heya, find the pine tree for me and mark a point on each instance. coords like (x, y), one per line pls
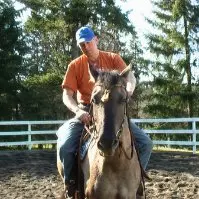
(173, 45)
(12, 48)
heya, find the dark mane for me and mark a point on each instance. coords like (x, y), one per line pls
(110, 78)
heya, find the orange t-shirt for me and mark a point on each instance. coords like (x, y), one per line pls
(79, 79)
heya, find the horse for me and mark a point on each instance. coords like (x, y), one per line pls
(111, 167)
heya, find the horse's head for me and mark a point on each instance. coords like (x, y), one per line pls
(109, 98)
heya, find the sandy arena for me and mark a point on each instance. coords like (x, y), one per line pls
(33, 175)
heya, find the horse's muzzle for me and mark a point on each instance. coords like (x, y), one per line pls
(107, 149)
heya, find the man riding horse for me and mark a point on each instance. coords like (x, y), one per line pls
(78, 79)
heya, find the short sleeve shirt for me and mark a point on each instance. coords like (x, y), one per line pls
(79, 79)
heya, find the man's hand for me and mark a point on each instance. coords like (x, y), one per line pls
(83, 116)
(68, 100)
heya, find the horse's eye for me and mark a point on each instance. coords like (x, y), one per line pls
(96, 95)
(121, 99)
(96, 99)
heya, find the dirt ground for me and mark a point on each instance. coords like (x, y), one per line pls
(33, 175)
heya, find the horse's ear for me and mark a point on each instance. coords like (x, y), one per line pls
(94, 72)
(125, 72)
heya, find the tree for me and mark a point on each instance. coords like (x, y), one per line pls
(50, 33)
(55, 23)
(41, 99)
(134, 55)
(173, 46)
(12, 49)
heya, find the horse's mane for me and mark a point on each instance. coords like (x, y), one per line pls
(110, 78)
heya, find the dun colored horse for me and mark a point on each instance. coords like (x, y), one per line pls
(111, 167)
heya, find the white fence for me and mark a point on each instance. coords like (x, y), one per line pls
(189, 123)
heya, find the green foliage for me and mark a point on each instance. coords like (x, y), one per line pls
(50, 35)
(173, 49)
(41, 98)
(12, 48)
(54, 23)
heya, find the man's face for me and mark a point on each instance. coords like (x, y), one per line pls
(89, 48)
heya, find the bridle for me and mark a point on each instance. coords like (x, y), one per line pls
(104, 99)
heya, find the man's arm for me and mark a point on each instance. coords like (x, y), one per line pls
(71, 104)
(69, 101)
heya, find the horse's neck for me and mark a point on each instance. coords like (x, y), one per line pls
(126, 138)
(123, 150)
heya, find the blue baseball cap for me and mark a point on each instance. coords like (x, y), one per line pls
(84, 34)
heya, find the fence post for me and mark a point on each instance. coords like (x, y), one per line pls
(168, 145)
(194, 136)
(29, 137)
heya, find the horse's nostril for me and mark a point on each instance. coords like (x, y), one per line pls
(99, 145)
(103, 145)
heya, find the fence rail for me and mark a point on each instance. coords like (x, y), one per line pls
(30, 132)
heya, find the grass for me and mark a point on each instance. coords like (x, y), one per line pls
(167, 149)
(53, 147)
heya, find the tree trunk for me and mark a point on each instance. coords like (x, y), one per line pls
(188, 70)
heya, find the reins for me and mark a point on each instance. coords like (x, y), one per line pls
(131, 136)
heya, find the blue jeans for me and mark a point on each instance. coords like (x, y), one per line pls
(68, 141)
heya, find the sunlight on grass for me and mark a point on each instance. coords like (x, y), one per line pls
(164, 148)
(156, 148)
